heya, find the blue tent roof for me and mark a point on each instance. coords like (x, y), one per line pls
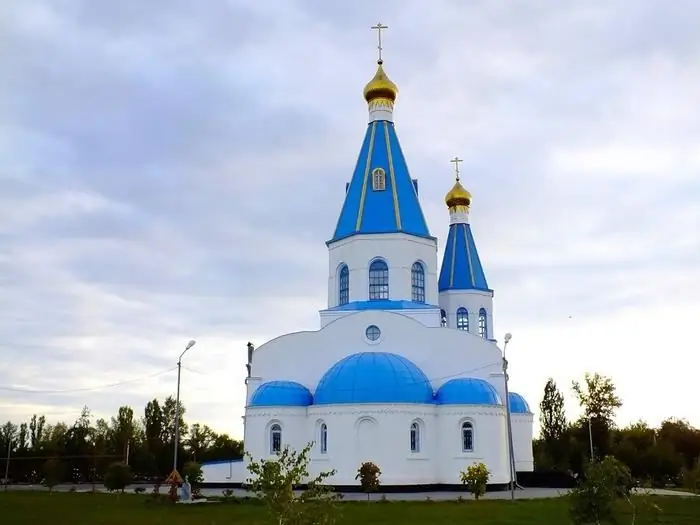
(461, 265)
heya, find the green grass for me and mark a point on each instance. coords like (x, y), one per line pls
(32, 508)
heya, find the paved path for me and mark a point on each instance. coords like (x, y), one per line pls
(528, 493)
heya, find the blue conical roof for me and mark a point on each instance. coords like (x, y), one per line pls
(393, 209)
(461, 266)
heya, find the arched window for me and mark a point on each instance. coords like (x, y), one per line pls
(415, 437)
(462, 319)
(378, 280)
(467, 437)
(443, 318)
(275, 439)
(417, 283)
(324, 438)
(483, 330)
(344, 285)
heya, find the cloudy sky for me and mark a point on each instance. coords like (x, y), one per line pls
(171, 169)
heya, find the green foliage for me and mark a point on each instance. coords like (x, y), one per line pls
(118, 476)
(475, 479)
(274, 481)
(691, 478)
(53, 472)
(606, 483)
(192, 472)
(368, 474)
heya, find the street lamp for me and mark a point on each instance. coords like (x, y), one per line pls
(177, 403)
(509, 428)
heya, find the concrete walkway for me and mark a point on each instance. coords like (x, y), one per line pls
(528, 493)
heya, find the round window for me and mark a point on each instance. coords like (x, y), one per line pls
(373, 332)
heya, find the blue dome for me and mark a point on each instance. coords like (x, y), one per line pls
(373, 377)
(518, 405)
(281, 394)
(467, 391)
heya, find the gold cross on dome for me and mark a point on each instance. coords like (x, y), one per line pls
(456, 162)
(379, 28)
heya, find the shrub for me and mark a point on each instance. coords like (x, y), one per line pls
(475, 479)
(118, 476)
(605, 483)
(275, 480)
(369, 474)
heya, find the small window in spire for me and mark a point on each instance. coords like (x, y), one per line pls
(378, 179)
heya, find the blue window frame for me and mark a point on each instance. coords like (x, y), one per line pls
(275, 439)
(418, 283)
(378, 281)
(344, 285)
(415, 437)
(467, 437)
(324, 438)
(462, 319)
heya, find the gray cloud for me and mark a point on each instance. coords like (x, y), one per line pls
(171, 170)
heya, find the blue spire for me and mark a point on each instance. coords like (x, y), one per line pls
(381, 196)
(461, 266)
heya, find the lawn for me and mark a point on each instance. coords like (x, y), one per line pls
(31, 508)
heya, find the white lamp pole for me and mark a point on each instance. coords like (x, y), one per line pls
(177, 403)
(509, 428)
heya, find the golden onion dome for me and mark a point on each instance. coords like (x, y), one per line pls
(380, 86)
(458, 196)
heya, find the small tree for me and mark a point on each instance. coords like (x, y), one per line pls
(475, 479)
(369, 474)
(118, 476)
(275, 480)
(604, 483)
(53, 471)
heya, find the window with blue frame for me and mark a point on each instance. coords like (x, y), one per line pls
(344, 285)
(462, 319)
(417, 283)
(483, 329)
(443, 318)
(275, 439)
(378, 280)
(467, 437)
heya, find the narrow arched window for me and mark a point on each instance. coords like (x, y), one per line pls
(378, 280)
(275, 439)
(417, 283)
(324, 438)
(467, 437)
(462, 319)
(415, 437)
(483, 330)
(344, 285)
(443, 318)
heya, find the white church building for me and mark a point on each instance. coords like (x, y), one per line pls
(405, 370)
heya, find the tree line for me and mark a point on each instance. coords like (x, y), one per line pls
(656, 456)
(88, 446)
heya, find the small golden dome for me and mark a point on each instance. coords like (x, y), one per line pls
(380, 87)
(458, 196)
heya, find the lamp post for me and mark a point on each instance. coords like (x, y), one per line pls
(509, 428)
(7, 461)
(177, 403)
(590, 436)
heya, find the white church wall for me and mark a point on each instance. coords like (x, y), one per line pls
(257, 429)
(489, 442)
(522, 442)
(399, 251)
(441, 353)
(473, 301)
